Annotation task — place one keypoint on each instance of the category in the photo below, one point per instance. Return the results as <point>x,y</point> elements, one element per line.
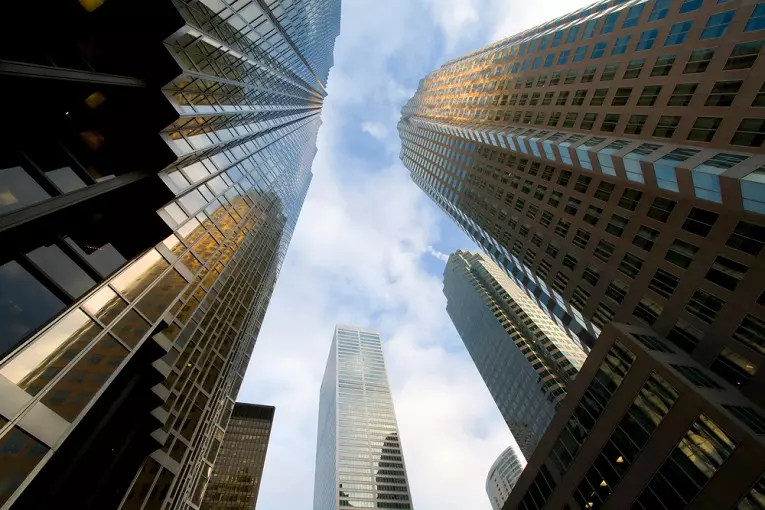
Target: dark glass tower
<point>611,161</point>
<point>149,187</point>
<point>235,480</point>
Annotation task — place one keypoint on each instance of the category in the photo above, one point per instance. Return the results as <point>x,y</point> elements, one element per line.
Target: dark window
<point>617,290</point>
<point>591,275</point>
<point>579,96</point>
<point>648,310</point>
<point>726,273</point>
<point>582,183</point>
<point>581,238</point>
<point>704,306</point>
<point>570,120</point>
<point>682,94</point>
<point>666,126</point>
<point>635,124</point>
<point>700,222</point>
<point>609,72</point>
<point>723,93</point>
<point>743,55</point>
<point>645,238</point>
<point>733,367</point>
<point>630,199</point>
<point>564,178</point>
<point>604,191</point>
<point>750,133</point>
<point>598,97</point>
<point>630,265</point>
<point>589,74</point>
<point>747,237</point>
<point>604,250</point>
<point>663,283</point>
<point>699,61</point>
<point>751,332</point>
<point>562,98</point>
<point>649,95</point>
<point>616,225</point>
<point>633,68</point>
<point>663,65</point>
<point>681,253</point>
<point>589,120</point>
<point>570,261</point>
<point>609,122</point>
<point>661,209</point>
<point>696,376</point>
<point>592,216</point>
<point>684,335</point>
<point>622,96</point>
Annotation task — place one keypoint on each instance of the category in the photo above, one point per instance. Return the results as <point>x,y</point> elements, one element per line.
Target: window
<point>570,119</point>
<point>609,23</point>
<point>570,261</point>
<point>609,72</point>
<point>659,11</point>
<point>554,118</point>
<point>649,95</point>
<point>621,45</point>
<point>663,65</point>
<point>666,126</point>
<point>630,265</point>
<point>751,332</point>
<point>580,53</point>
<point>598,97</point>
<point>743,55</point>
<point>564,178</point>
<point>548,98</point>
<point>681,253</point>
<point>588,120</point>
<point>622,96</point>
<point>579,298</point>
<point>604,250</point>
<point>572,33</point>
<point>677,33</point>
<point>645,238</point>
<point>604,191</point>
<point>682,94</point>
<point>633,68</point>
<point>716,25</point>
<point>748,415</point>
<point>646,40</point>
<point>562,97</point>
<point>699,61</point>
<point>630,199</point>
<point>616,225</point>
<point>598,50</point>
<point>633,15</point>
<point>664,168</point>
<point>704,306</point>
<point>684,335</point>
<point>545,219</point>
<point>591,275</point>
<point>757,19</point>
<point>560,282</point>
<point>696,376</point>
<point>706,182</point>
<point>691,5</point>
<point>663,283</point>
<point>579,96</point>
<point>726,273</point>
<point>617,290</point>
<point>750,133</point>
<point>648,310</point>
<point>572,207</point>
<point>555,78</point>
<point>723,93</point>
<point>552,250</point>
<point>582,183</point>
<point>592,216</point>
<point>700,222</point>
<point>562,228</point>
<point>661,209</point>
<point>589,74</point>
<point>635,124</point>
<point>609,122</point>
<point>570,77</point>
<point>747,237</point>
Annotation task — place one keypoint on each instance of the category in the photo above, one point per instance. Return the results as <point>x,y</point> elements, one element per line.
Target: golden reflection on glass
<point>131,328</point>
<point>105,305</point>
<point>140,274</point>
<point>69,396</point>
<point>191,231</point>
<point>19,455</point>
<point>47,355</point>
<point>205,247</point>
<point>157,300</point>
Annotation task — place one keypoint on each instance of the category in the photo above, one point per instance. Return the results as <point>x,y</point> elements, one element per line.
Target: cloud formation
<point>369,249</point>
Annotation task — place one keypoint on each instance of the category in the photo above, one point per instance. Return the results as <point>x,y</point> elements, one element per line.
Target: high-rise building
<point>235,480</point>
<point>503,475</point>
<point>524,358</point>
<point>647,427</point>
<point>159,158</point>
<point>611,162</point>
<point>359,459</point>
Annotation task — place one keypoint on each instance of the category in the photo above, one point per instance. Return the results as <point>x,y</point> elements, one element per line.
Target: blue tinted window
<point>757,19</point>
<point>610,23</point>
<point>621,44</point>
<point>589,29</point>
<point>572,33</point>
<point>580,53</point>
<point>633,15</point>
<point>525,65</point>
<point>537,63</point>
<point>691,5</point>
<point>717,24</point>
<point>549,59</point>
<point>677,33</point>
<point>660,10</point>
<point>598,50</point>
<point>543,42</point>
<point>563,58</point>
<point>533,45</point>
<point>557,37</point>
<point>522,49</point>
<point>515,67</point>
<point>646,40</point>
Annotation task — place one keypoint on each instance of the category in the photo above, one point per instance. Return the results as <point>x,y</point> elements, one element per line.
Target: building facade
<point>611,162</point>
<point>503,475</point>
<point>238,469</point>
<point>145,221</point>
<point>524,358</point>
<point>647,427</point>
<point>359,459</point>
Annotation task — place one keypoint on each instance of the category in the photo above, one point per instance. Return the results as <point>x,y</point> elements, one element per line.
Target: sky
<point>369,249</point>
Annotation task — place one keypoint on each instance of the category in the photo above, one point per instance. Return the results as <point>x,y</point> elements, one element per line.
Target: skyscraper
<point>235,480</point>
<point>611,162</point>
<point>503,475</point>
<point>359,459</point>
<point>524,358</point>
<point>148,192</point>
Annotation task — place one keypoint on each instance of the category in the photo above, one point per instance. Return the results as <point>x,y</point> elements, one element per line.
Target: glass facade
<point>524,358</point>
<point>149,223</point>
<point>503,475</point>
<point>359,460</point>
<point>641,132</point>
<point>238,469</point>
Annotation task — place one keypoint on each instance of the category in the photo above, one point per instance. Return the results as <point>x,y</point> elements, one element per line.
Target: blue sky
<point>369,250</point>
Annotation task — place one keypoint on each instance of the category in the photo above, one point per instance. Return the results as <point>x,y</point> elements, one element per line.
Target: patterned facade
<point>238,470</point>
<point>148,222</point>
<point>524,358</point>
<point>359,459</point>
<point>503,475</point>
<point>611,162</point>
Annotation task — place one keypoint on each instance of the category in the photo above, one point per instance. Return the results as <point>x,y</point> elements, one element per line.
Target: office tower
<point>503,475</point>
<point>524,358</point>
<point>647,427</point>
<point>611,162</point>
<point>235,480</point>
<point>359,463</point>
<point>159,157</point>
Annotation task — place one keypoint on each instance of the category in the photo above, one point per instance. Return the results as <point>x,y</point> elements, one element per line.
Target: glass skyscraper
<point>503,475</point>
<point>611,161</point>
<point>235,480</point>
<point>148,194</point>
<point>524,358</point>
<point>359,460</point>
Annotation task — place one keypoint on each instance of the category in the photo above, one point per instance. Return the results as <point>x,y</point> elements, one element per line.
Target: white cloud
<point>375,129</point>
<point>357,257</point>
